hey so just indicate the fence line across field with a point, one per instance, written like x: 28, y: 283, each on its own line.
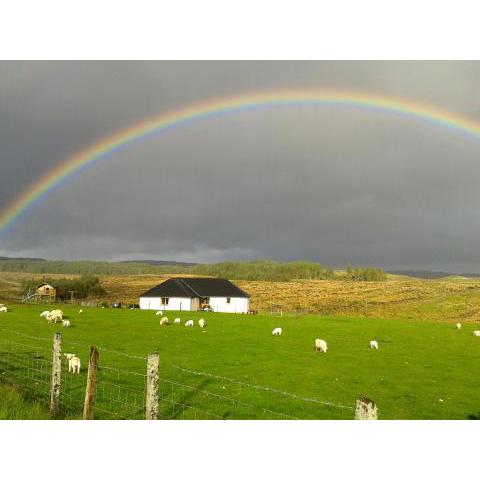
x: 121, y: 393
x: 260, y: 387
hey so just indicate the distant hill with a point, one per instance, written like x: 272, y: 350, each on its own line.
x: 22, y: 259
x: 160, y: 262
x: 432, y: 275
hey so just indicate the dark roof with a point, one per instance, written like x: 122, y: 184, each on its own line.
x: 195, y: 287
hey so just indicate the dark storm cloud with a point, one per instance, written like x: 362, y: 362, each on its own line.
x: 324, y: 184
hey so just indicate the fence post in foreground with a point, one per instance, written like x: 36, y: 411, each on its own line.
x: 366, y: 409
x: 56, y: 373
x: 151, y: 410
x: 91, y: 389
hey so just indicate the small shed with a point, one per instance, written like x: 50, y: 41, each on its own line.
x: 46, y: 291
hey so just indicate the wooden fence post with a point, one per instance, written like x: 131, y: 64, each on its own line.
x: 91, y: 389
x: 151, y: 409
x: 366, y: 409
x: 56, y: 373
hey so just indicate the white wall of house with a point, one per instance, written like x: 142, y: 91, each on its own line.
x: 219, y: 304
x: 236, y: 304
x: 174, y: 303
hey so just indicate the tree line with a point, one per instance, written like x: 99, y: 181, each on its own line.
x: 268, y: 270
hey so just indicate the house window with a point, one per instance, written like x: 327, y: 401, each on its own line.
x: 228, y: 299
x: 165, y: 300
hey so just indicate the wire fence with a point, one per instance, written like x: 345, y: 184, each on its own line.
x: 121, y: 387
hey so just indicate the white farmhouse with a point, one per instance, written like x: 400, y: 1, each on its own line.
x: 190, y: 294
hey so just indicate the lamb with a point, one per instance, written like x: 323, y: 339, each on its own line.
x: 177, y: 321
x: 45, y: 314
x: 459, y: 326
x: 164, y: 321
x: 159, y: 313
x: 189, y: 323
x: 201, y: 323
x: 66, y: 323
x: 476, y: 333
x: 320, y: 345
x: 3, y: 309
x: 277, y: 331
x: 374, y: 344
x: 73, y: 362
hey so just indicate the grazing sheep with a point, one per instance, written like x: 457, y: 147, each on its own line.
x: 164, y: 321
x: 476, y: 333
x: 66, y: 323
x: 55, y: 316
x: 459, y: 326
x: 160, y: 312
x: 80, y: 311
x: 3, y: 309
x: 277, y: 331
x: 374, y: 344
x: 201, y: 323
x: 189, y: 323
x: 320, y: 345
x: 45, y: 314
x: 73, y: 362
x: 177, y: 321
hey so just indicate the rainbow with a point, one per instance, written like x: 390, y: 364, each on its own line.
x: 77, y: 163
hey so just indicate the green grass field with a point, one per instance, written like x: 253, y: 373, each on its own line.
x: 237, y: 369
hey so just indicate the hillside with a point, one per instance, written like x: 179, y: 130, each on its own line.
x: 399, y: 297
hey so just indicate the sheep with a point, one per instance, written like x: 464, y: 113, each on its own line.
x: 320, y: 345
x: 277, y: 331
x: 80, y: 311
x: 45, y: 314
x: 54, y: 316
x: 459, y: 326
x: 201, y: 323
x: 66, y: 323
x: 160, y: 312
x: 177, y: 321
x: 73, y: 362
x: 476, y: 333
x: 164, y: 321
x: 374, y: 344
x: 3, y: 309
x: 189, y: 323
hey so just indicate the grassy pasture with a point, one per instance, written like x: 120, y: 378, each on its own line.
x: 422, y: 370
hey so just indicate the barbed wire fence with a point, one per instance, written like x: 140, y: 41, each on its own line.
x: 121, y: 387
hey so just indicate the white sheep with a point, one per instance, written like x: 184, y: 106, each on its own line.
x: 277, y: 331
x: 374, y: 344
x: 80, y: 311
x: 177, y: 321
x: 3, y: 309
x: 73, y: 362
x: 459, y: 326
x: 164, y: 321
x: 320, y: 345
x: 160, y: 312
x: 45, y: 314
x: 201, y: 323
x: 476, y: 333
x: 54, y: 316
x: 189, y: 323
x: 66, y: 323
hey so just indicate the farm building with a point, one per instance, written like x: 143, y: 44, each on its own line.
x: 46, y: 292
x: 191, y: 294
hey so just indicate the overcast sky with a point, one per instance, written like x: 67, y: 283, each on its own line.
x: 327, y: 184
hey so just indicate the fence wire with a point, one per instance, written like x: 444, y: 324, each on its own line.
x: 121, y: 387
